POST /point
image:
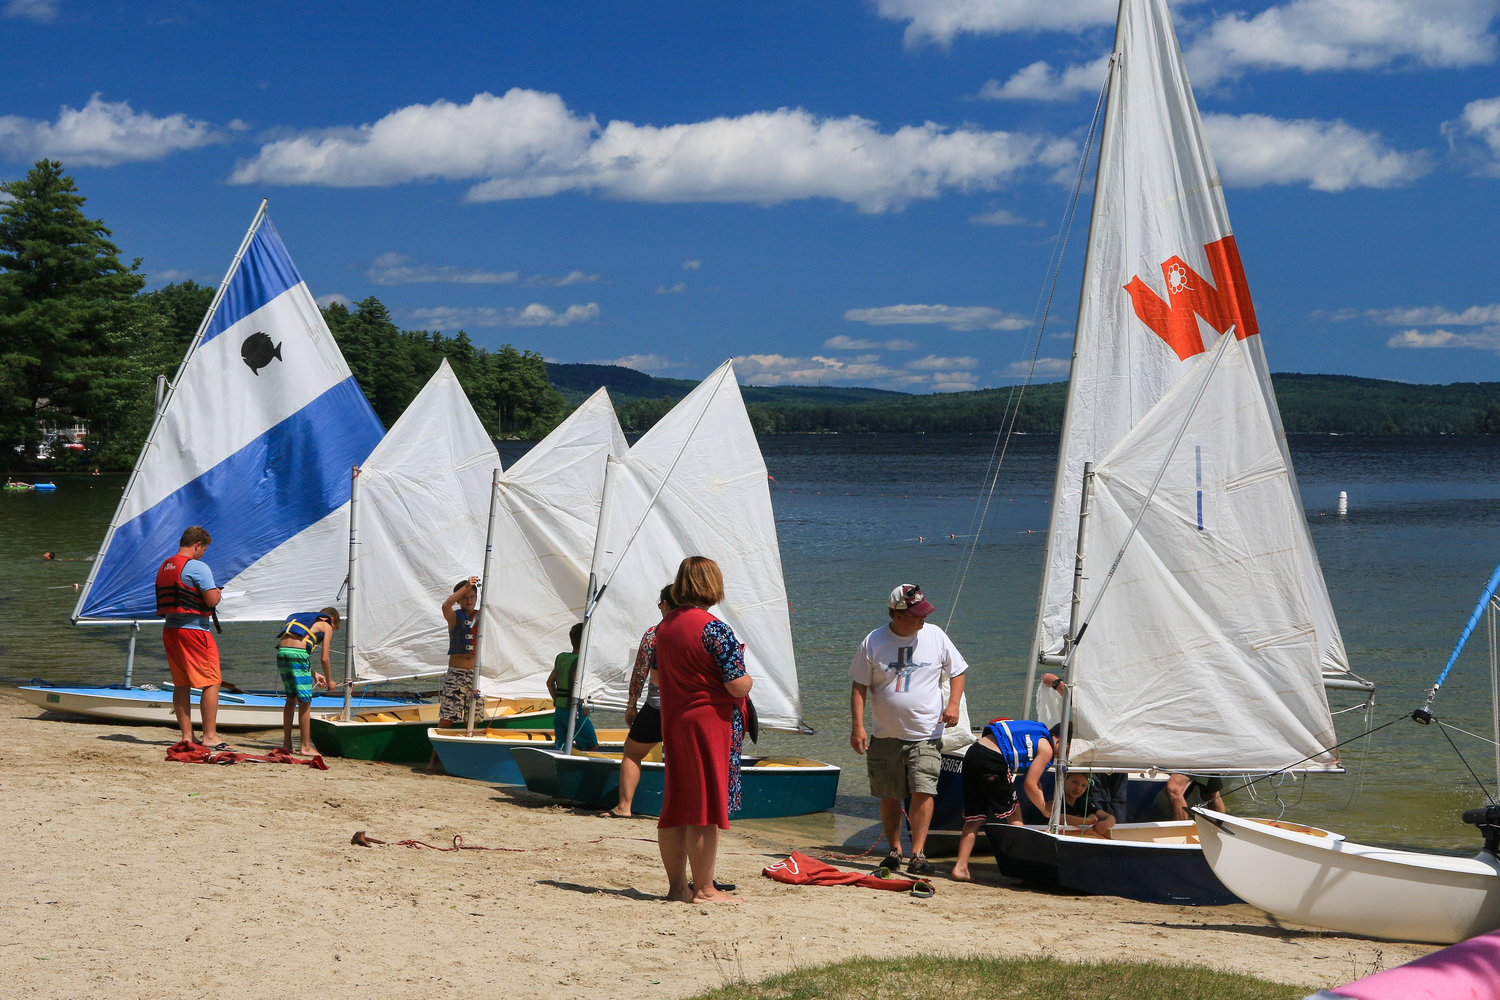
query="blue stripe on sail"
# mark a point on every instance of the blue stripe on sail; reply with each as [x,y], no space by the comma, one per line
[276,486]
[265,272]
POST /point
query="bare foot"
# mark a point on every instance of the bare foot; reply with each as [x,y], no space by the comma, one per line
[960,876]
[684,895]
[310,752]
[611,814]
[712,895]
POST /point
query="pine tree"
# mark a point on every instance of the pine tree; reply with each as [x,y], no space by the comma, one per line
[61,286]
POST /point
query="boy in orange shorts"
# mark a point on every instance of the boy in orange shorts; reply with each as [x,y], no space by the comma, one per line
[185,598]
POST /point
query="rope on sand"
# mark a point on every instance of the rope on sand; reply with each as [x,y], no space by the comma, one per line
[361,839]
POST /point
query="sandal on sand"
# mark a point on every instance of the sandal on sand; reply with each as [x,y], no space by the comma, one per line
[220,748]
[611,814]
[721,886]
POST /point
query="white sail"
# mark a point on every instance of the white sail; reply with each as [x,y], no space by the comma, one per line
[254,443]
[1162,274]
[695,484]
[546,522]
[1203,650]
[424,498]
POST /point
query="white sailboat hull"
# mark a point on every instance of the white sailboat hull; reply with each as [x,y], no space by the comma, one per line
[1324,880]
[248,710]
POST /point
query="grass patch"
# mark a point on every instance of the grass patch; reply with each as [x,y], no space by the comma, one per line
[948,978]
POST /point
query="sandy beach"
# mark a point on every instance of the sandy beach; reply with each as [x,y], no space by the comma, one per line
[132,877]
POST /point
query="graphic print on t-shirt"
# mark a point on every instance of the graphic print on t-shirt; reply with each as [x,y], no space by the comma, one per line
[903,666]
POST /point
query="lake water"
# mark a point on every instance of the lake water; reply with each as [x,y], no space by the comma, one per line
[858,514]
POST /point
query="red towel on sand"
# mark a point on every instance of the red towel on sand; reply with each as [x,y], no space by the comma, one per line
[193,753]
[799,869]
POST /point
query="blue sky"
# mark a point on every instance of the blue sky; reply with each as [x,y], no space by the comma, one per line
[846,193]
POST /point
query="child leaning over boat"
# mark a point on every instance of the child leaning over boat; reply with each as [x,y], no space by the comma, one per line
[300,634]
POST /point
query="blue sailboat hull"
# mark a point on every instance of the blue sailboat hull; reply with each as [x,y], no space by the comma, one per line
[770,786]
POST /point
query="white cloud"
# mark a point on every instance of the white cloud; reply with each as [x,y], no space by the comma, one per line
[931,363]
[865,370]
[843,343]
[953,317]
[1483,340]
[324,301]
[395,269]
[648,363]
[172,275]
[398,269]
[941,21]
[676,289]
[522,134]
[692,265]
[102,134]
[1044,368]
[1000,217]
[528,145]
[1431,316]
[560,281]
[41,11]
[1476,134]
[1302,35]
[1040,82]
[1255,150]
[1317,35]
[536,314]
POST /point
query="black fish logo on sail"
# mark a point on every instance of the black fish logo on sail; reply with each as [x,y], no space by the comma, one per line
[258,350]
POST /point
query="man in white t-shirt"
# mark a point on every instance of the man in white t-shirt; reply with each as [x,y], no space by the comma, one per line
[899,670]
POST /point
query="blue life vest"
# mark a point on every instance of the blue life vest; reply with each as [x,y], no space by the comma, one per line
[300,626]
[1018,740]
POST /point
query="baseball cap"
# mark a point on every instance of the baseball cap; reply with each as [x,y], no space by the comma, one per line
[908,597]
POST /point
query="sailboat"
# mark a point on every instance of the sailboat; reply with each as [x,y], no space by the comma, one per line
[695,484]
[253,439]
[1182,599]
[543,515]
[421,501]
[1322,879]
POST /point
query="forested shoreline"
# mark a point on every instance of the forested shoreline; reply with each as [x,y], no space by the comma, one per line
[82,342]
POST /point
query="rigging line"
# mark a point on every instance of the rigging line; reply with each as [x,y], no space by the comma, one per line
[1010,414]
[1304,760]
[1477,780]
[1146,501]
[1460,729]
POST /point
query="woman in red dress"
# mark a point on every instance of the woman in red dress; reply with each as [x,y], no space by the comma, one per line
[701,671]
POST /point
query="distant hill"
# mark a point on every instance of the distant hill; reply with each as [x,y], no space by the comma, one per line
[578,382]
[1324,404]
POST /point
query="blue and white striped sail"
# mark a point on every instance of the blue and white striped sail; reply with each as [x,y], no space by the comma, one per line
[254,442]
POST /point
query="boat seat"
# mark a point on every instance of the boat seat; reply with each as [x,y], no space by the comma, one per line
[787,762]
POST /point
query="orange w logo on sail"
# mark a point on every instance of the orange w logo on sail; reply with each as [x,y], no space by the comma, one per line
[1221,303]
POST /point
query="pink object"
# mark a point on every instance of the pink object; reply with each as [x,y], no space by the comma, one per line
[1469,970]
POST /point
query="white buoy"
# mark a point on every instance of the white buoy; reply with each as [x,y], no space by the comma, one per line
[1343,502]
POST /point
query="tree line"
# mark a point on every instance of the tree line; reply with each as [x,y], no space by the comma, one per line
[80,341]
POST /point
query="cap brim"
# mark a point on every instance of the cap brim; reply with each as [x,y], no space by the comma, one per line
[922,610]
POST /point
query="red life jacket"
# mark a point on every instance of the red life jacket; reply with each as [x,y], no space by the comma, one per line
[173,596]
